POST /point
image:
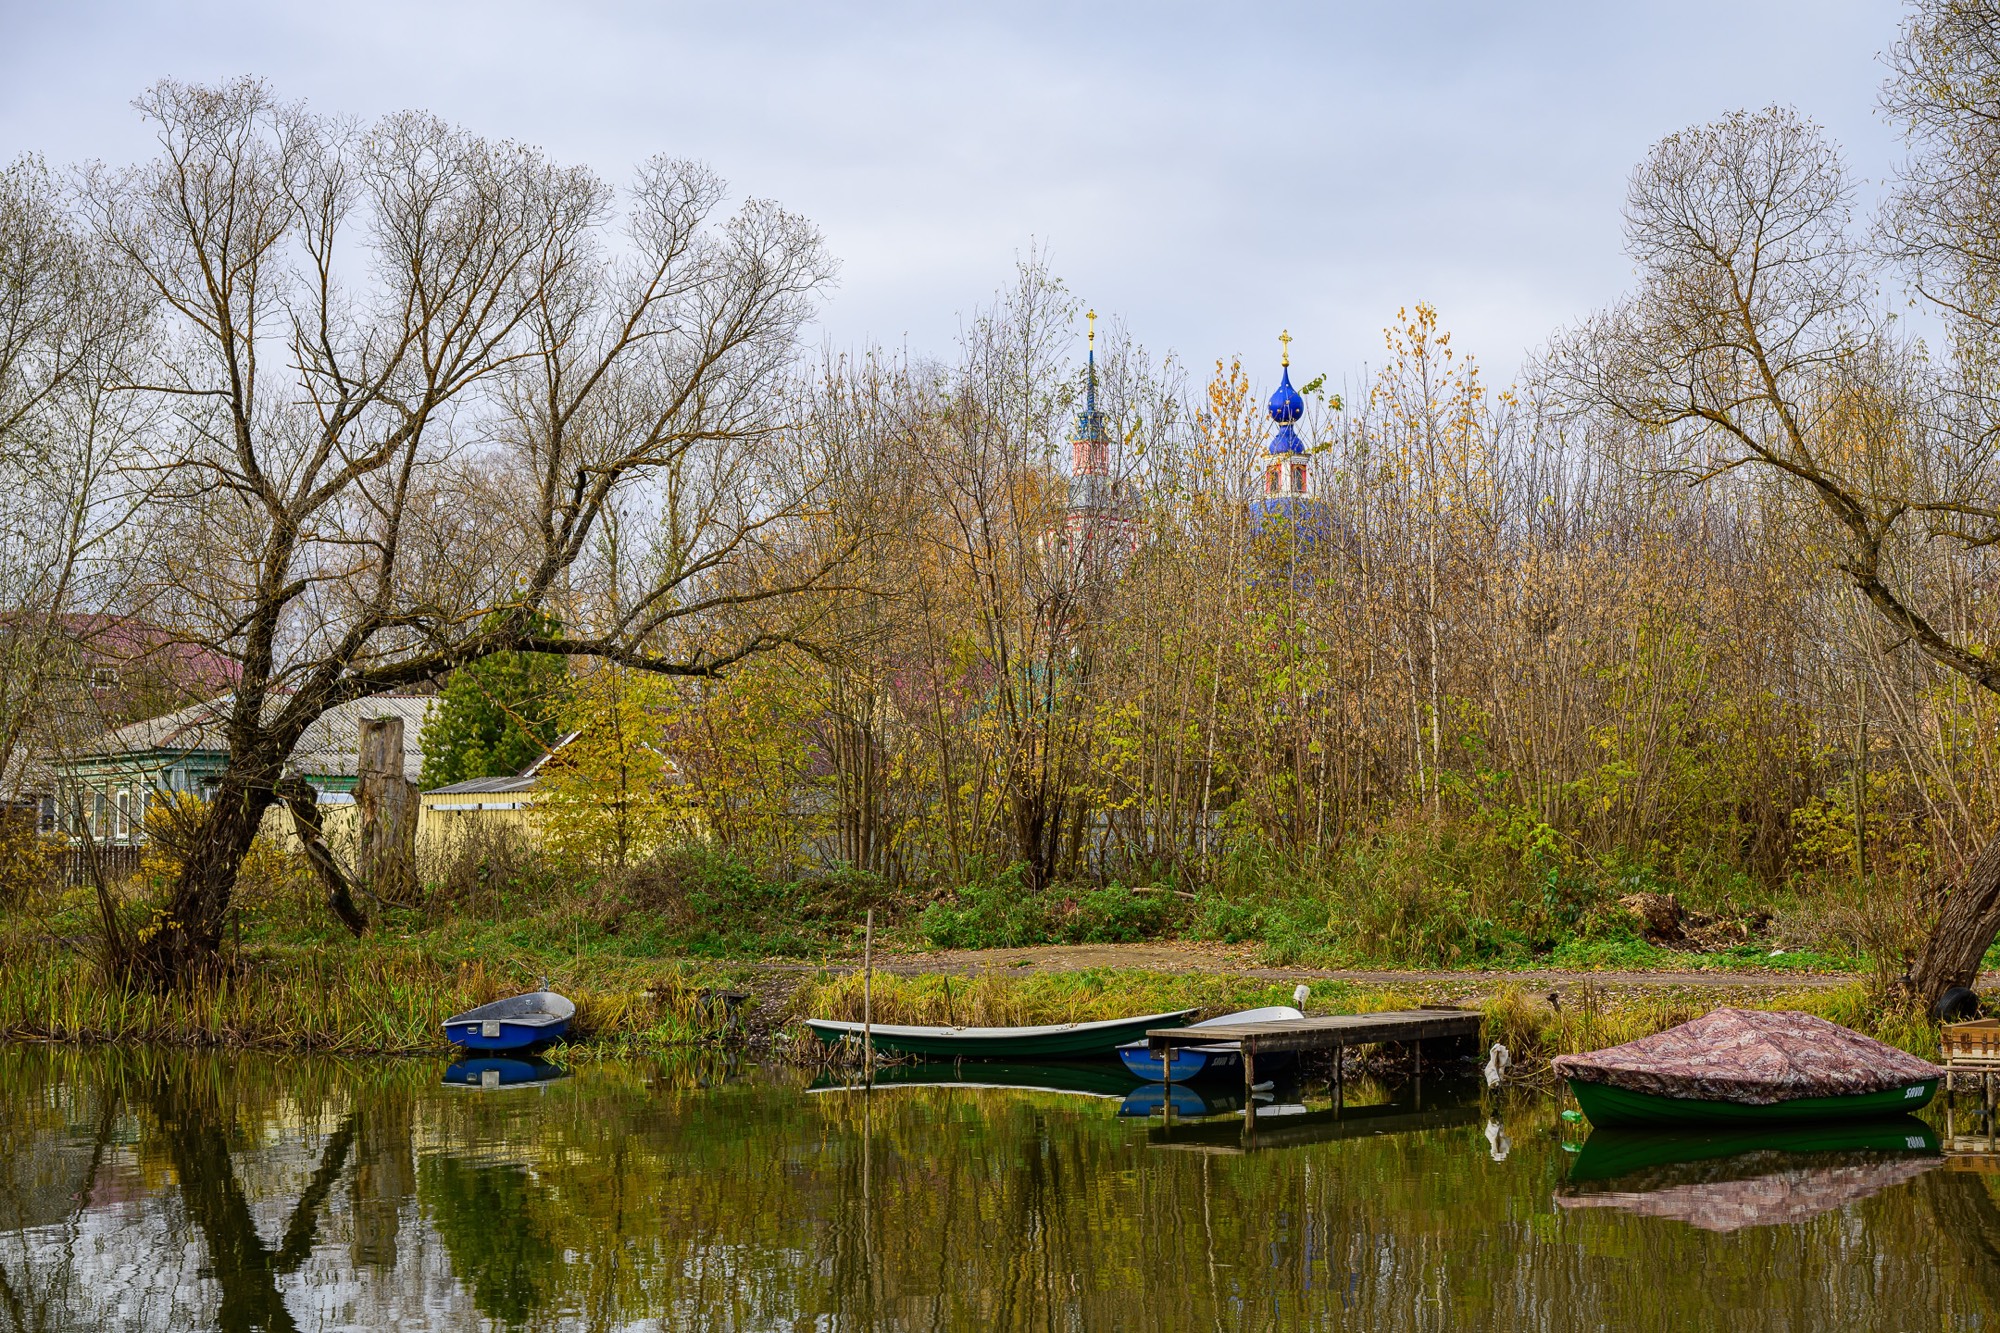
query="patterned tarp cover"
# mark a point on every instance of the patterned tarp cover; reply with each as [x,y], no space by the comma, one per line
[1750,1056]
[1757,1190]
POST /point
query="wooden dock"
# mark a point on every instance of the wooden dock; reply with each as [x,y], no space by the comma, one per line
[1332,1033]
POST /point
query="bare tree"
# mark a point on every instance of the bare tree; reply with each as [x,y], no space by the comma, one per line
[986,439]
[1750,343]
[416,378]
[69,328]
[1945,218]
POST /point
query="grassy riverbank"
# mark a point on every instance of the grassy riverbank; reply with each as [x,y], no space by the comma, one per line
[389,995]
[639,952]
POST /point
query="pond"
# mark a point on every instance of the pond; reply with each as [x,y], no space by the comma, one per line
[161,1190]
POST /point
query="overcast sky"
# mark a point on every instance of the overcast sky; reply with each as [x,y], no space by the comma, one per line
[1208,172]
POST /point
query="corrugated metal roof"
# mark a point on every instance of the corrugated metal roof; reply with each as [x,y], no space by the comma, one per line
[331,745]
[485,786]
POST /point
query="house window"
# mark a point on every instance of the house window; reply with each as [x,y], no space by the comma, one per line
[124,814]
[104,678]
[100,815]
[45,818]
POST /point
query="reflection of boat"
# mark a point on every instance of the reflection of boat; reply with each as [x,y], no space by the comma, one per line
[1741,1066]
[1609,1153]
[1187,1101]
[1288,1125]
[1192,1062]
[519,1021]
[1723,1181]
[1077,1079]
[1050,1041]
[502,1071]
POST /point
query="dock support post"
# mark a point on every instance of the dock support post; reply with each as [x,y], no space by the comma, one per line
[1339,1077]
[1249,1088]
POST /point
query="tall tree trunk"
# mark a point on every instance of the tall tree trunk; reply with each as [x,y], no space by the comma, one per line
[386,802]
[303,800]
[1967,922]
[188,937]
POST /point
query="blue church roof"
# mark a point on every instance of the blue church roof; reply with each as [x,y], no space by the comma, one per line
[1090,421]
[1286,406]
[1299,516]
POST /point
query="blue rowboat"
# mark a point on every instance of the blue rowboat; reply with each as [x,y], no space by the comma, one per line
[1193,1062]
[513,1024]
[1150,1100]
[502,1071]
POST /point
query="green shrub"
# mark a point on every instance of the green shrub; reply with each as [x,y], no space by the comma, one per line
[999,913]
[1003,913]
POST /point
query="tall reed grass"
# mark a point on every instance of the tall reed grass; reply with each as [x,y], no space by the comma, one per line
[354,1003]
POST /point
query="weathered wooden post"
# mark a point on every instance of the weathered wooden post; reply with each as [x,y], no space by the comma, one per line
[868,1001]
[1249,1086]
[387,804]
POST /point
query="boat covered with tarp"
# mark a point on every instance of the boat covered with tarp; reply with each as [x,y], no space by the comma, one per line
[1731,1179]
[1743,1066]
[1046,1041]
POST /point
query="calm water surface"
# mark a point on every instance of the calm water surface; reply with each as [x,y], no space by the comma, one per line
[169,1191]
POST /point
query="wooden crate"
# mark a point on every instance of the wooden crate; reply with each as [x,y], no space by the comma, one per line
[1974,1045]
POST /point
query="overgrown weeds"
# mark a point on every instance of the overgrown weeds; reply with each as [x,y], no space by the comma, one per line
[995,999]
[376,997]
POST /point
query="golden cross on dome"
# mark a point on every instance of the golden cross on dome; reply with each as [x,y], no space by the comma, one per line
[1286,339]
[1092,317]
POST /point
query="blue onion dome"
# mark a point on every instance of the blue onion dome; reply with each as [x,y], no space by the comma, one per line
[1287,441]
[1286,404]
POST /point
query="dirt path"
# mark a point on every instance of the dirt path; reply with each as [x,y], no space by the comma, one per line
[1241,961]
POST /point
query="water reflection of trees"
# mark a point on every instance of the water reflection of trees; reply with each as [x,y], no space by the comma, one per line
[631,1193]
[190,1108]
[490,1220]
[1969,1221]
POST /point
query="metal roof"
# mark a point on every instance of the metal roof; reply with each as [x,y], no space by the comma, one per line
[485,786]
[331,745]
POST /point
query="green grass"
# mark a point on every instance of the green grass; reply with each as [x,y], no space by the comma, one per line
[1533,1030]
[635,946]
[317,990]
[1013,999]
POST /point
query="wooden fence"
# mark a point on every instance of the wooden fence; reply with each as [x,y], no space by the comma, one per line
[72,865]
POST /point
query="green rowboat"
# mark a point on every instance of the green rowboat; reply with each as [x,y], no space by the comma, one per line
[1608,1105]
[1748,1067]
[1611,1153]
[1052,1041]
